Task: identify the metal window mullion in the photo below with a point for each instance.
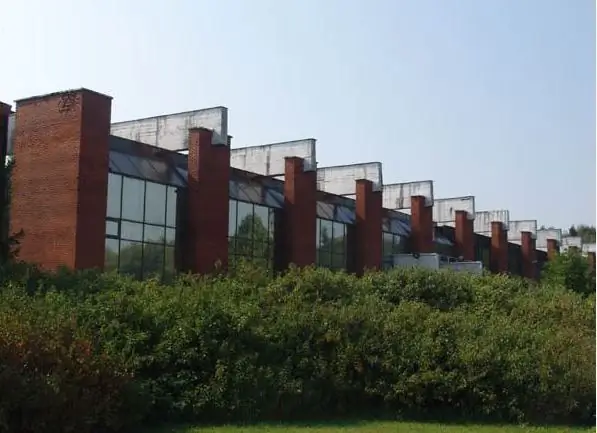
(165, 225)
(120, 220)
(143, 229)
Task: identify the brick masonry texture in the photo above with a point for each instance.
(208, 207)
(421, 225)
(464, 236)
(60, 178)
(300, 213)
(499, 248)
(369, 212)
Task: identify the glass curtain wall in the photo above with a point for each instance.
(514, 259)
(483, 250)
(395, 235)
(140, 227)
(331, 244)
(251, 233)
(392, 243)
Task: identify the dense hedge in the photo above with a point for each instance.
(78, 351)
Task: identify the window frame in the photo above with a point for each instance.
(168, 246)
(326, 258)
(233, 237)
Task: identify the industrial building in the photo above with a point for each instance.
(168, 194)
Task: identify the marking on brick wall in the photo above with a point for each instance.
(67, 102)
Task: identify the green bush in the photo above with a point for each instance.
(310, 343)
(571, 270)
(53, 378)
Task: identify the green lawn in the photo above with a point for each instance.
(375, 427)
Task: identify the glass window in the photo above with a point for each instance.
(169, 263)
(387, 243)
(111, 261)
(272, 223)
(325, 239)
(133, 199)
(250, 233)
(170, 236)
(171, 201)
(131, 258)
(145, 249)
(232, 218)
(114, 195)
(325, 210)
(154, 234)
(153, 260)
(244, 220)
(339, 233)
(155, 203)
(331, 244)
(111, 228)
(260, 224)
(338, 261)
(131, 231)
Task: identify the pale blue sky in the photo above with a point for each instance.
(492, 98)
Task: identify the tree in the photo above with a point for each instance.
(252, 240)
(572, 231)
(572, 271)
(587, 233)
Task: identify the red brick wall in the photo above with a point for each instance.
(421, 225)
(552, 248)
(464, 236)
(208, 203)
(60, 178)
(499, 248)
(368, 227)
(300, 213)
(529, 255)
(5, 111)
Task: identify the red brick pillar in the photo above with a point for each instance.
(529, 255)
(60, 180)
(208, 203)
(300, 213)
(464, 236)
(368, 227)
(5, 111)
(499, 248)
(553, 249)
(421, 221)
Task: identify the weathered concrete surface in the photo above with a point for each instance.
(171, 131)
(268, 159)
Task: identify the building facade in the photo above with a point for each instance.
(159, 196)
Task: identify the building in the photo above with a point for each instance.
(167, 194)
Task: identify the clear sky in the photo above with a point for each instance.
(491, 98)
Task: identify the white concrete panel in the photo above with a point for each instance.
(397, 195)
(444, 209)
(589, 248)
(171, 131)
(268, 159)
(470, 267)
(569, 242)
(11, 130)
(484, 219)
(427, 260)
(516, 227)
(341, 180)
(544, 235)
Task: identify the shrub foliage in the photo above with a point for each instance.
(80, 351)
